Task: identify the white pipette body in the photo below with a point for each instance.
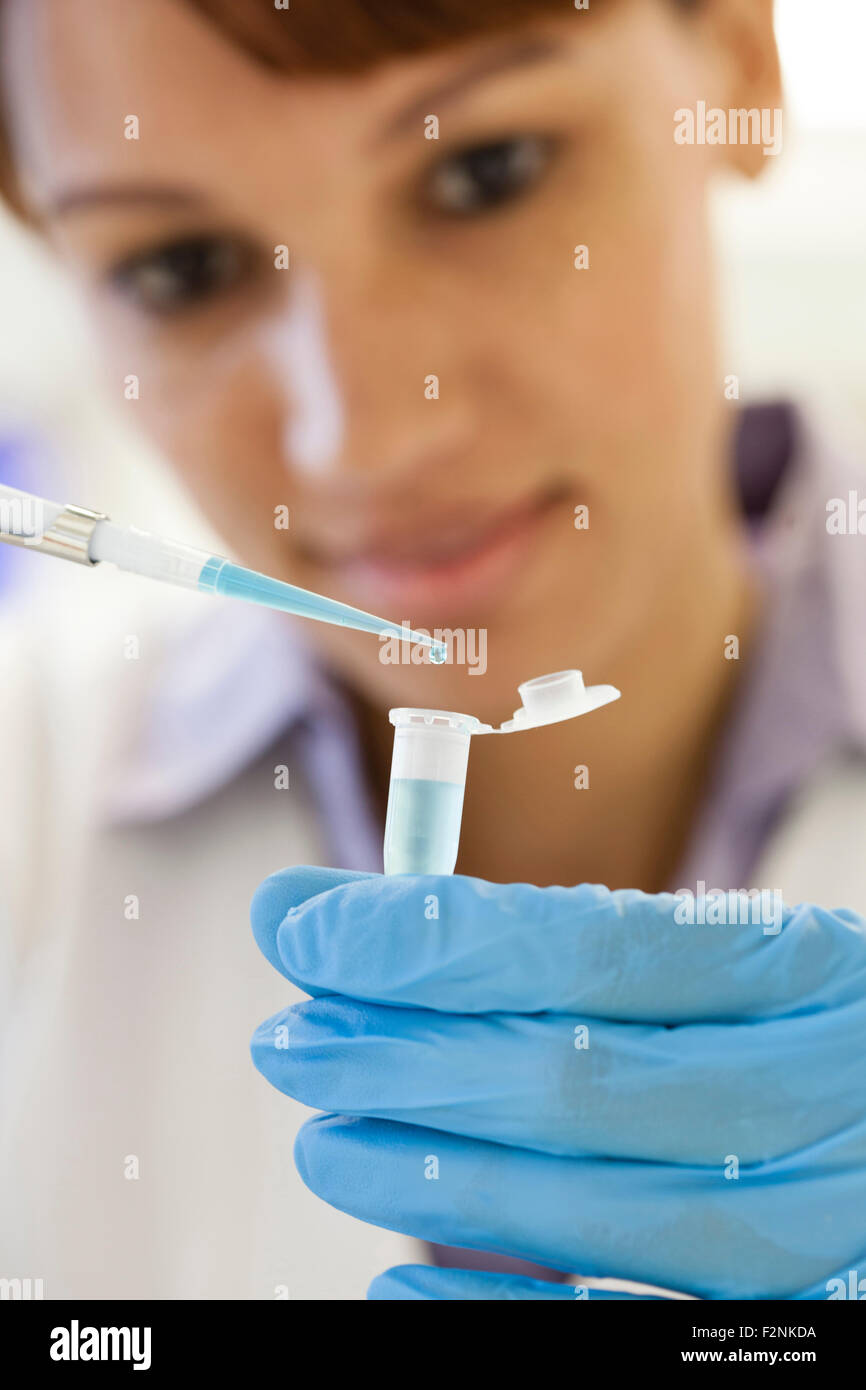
(87, 537)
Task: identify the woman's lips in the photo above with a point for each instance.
(443, 572)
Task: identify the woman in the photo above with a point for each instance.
(439, 282)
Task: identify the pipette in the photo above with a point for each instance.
(88, 538)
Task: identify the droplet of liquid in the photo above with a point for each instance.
(438, 653)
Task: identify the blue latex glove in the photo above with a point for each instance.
(468, 1112)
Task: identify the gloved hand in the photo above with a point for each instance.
(570, 1076)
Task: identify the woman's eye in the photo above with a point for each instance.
(182, 274)
(484, 176)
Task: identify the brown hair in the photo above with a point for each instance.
(350, 35)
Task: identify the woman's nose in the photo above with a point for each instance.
(368, 384)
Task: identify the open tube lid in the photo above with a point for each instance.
(550, 699)
(545, 700)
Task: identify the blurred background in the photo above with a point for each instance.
(793, 291)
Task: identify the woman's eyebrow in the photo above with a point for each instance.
(514, 54)
(504, 58)
(85, 196)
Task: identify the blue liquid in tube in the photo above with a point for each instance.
(220, 576)
(422, 827)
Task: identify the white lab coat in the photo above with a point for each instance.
(126, 1042)
(141, 1155)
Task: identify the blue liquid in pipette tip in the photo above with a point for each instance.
(220, 576)
(422, 827)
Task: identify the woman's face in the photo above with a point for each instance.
(431, 387)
